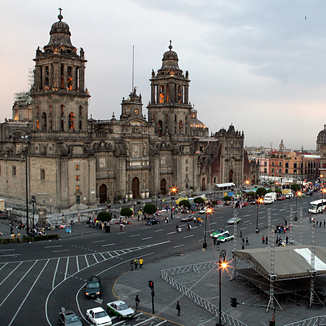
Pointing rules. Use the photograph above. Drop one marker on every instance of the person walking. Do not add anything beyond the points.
(132, 265)
(137, 300)
(266, 239)
(247, 241)
(263, 240)
(141, 262)
(178, 307)
(136, 263)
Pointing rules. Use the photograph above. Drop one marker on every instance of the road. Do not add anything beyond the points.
(37, 279)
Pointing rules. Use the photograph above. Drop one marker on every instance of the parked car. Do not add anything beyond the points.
(187, 218)
(309, 192)
(281, 197)
(68, 317)
(225, 236)
(202, 211)
(232, 219)
(93, 287)
(121, 309)
(152, 221)
(98, 317)
(216, 233)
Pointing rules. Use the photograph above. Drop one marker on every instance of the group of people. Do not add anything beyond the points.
(135, 262)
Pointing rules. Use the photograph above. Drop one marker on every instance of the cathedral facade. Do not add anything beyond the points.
(54, 152)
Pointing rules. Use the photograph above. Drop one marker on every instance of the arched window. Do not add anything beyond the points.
(161, 98)
(43, 121)
(62, 80)
(62, 110)
(160, 128)
(71, 121)
(180, 127)
(38, 124)
(80, 110)
(62, 125)
(80, 125)
(69, 83)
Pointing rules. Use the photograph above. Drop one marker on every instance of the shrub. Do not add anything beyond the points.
(184, 203)
(126, 211)
(150, 208)
(104, 216)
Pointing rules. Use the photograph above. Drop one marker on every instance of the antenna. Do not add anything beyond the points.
(133, 69)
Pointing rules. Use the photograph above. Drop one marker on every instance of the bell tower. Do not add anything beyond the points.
(169, 108)
(60, 100)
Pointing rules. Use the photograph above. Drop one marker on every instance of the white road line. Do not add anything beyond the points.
(60, 250)
(49, 247)
(212, 223)
(178, 246)
(159, 230)
(188, 236)
(14, 288)
(108, 244)
(3, 266)
(246, 215)
(55, 273)
(11, 273)
(147, 238)
(67, 265)
(95, 258)
(77, 263)
(162, 322)
(7, 249)
(11, 255)
(144, 321)
(97, 241)
(171, 233)
(102, 256)
(86, 260)
(26, 296)
(134, 235)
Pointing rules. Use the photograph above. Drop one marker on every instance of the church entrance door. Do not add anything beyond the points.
(135, 187)
(163, 187)
(103, 193)
(203, 186)
(230, 176)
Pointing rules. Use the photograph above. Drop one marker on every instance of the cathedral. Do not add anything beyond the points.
(53, 152)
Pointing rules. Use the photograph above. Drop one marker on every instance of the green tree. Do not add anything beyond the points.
(104, 216)
(126, 211)
(295, 187)
(278, 190)
(199, 200)
(226, 198)
(261, 192)
(150, 208)
(251, 194)
(185, 203)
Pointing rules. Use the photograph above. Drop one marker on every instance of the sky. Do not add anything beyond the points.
(259, 65)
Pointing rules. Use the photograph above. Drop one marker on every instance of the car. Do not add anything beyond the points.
(232, 219)
(98, 316)
(281, 198)
(93, 287)
(225, 236)
(202, 211)
(187, 218)
(121, 309)
(289, 195)
(68, 317)
(309, 192)
(216, 233)
(152, 221)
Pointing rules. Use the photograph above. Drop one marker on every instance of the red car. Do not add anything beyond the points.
(281, 198)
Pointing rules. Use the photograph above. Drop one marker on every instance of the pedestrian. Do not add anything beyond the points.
(247, 241)
(214, 241)
(277, 239)
(243, 240)
(287, 240)
(320, 224)
(178, 308)
(132, 265)
(188, 227)
(240, 233)
(141, 262)
(137, 300)
(243, 246)
(263, 240)
(136, 263)
(266, 240)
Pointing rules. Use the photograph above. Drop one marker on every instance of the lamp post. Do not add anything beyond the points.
(296, 205)
(221, 265)
(208, 211)
(173, 191)
(259, 201)
(26, 181)
(323, 191)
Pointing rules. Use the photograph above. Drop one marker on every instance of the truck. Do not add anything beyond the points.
(270, 198)
(288, 193)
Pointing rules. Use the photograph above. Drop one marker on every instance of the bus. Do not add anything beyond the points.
(317, 206)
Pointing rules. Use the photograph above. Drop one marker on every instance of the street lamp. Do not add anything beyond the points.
(26, 180)
(323, 191)
(296, 205)
(259, 201)
(173, 191)
(222, 264)
(208, 211)
(33, 202)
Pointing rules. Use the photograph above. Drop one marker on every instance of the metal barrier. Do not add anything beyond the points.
(214, 310)
(314, 321)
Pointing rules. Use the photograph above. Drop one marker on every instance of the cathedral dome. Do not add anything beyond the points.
(322, 134)
(170, 60)
(60, 34)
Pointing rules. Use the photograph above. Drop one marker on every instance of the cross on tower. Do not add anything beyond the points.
(60, 16)
(170, 46)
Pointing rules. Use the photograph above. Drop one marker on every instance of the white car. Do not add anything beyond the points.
(121, 309)
(232, 219)
(202, 211)
(98, 316)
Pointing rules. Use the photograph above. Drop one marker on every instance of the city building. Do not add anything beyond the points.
(53, 151)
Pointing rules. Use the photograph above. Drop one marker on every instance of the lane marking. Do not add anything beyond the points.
(134, 235)
(147, 238)
(108, 244)
(55, 273)
(188, 236)
(66, 271)
(159, 230)
(61, 250)
(97, 241)
(10, 273)
(171, 233)
(7, 249)
(178, 246)
(56, 246)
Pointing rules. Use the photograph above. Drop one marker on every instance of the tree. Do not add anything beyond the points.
(261, 192)
(150, 208)
(199, 200)
(184, 203)
(278, 190)
(251, 194)
(295, 187)
(126, 211)
(227, 198)
(104, 216)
